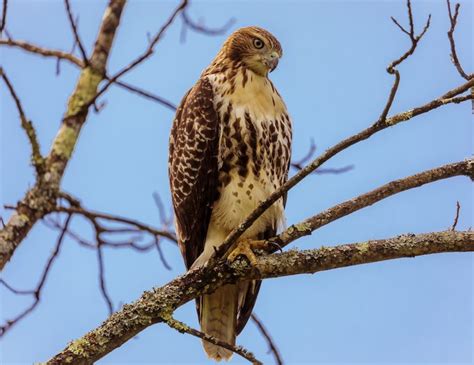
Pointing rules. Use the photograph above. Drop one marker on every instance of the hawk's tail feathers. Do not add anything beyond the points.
(218, 319)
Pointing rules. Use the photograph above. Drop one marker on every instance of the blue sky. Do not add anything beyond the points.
(333, 79)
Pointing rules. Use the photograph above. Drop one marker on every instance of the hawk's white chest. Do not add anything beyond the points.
(254, 150)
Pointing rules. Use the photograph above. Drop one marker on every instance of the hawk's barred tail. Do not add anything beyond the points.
(218, 319)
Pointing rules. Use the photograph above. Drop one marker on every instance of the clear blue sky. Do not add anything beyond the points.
(333, 80)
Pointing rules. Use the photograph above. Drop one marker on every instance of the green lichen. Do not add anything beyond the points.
(303, 227)
(65, 141)
(77, 347)
(402, 117)
(85, 91)
(363, 247)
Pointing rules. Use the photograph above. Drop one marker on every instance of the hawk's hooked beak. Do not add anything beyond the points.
(271, 60)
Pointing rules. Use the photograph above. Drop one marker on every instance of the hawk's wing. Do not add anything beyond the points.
(193, 168)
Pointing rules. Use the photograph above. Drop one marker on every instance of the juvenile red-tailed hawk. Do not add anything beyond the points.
(230, 148)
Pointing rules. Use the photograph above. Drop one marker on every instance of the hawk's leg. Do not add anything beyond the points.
(245, 247)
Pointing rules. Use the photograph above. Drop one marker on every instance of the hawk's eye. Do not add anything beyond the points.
(258, 43)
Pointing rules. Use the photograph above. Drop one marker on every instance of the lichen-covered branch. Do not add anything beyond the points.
(156, 305)
(463, 168)
(41, 198)
(27, 125)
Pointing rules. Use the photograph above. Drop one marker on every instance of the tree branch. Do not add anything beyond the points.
(184, 328)
(271, 344)
(41, 198)
(61, 55)
(37, 159)
(157, 305)
(4, 16)
(38, 290)
(148, 52)
(45, 52)
(317, 221)
(454, 56)
(76, 32)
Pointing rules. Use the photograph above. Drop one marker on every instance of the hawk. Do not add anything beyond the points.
(230, 148)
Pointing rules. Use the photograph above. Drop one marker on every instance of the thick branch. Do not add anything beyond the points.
(309, 225)
(157, 305)
(41, 198)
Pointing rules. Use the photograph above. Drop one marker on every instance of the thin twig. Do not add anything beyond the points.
(456, 217)
(38, 290)
(184, 328)
(103, 289)
(299, 164)
(36, 158)
(454, 56)
(76, 32)
(4, 16)
(146, 54)
(77, 208)
(156, 242)
(45, 52)
(391, 69)
(197, 27)
(62, 55)
(146, 94)
(272, 347)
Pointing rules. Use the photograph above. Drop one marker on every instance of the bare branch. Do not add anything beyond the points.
(271, 344)
(36, 292)
(184, 328)
(93, 216)
(37, 159)
(76, 32)
(201, 28)
(413, 38)
(103, 289)
(148, 52)
(31, 48)
(391, 69)
(153, 306)
(4, 16)
(317, 221)
(146, 94)
(456, 217)
(454, 57)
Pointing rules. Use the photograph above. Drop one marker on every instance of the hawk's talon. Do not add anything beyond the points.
(245, 248)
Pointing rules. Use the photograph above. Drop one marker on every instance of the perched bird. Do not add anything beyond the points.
(230, 148)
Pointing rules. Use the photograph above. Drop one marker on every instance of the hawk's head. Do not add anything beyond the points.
(255, 48)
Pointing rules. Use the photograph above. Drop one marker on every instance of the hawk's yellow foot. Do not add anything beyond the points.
(245, 247)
